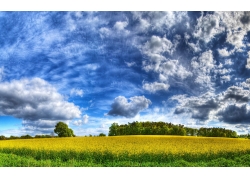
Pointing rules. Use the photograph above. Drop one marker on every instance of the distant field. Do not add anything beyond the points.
(132, 151)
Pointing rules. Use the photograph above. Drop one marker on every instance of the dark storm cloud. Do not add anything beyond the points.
(235, 114)
(121, 106)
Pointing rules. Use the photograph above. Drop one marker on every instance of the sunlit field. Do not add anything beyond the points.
(132, 151)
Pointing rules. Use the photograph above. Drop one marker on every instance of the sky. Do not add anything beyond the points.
(90, 69)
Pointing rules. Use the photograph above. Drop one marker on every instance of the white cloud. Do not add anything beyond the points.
(225, 78)
(92, 67)
(203, 66)
(129, 64)
(120, 25)
(76, 92)
(246, 84)
(159, 20)
(35, 99)
(155, 49)
(236, 25)
(104, 32)
(223, 52)
(84, 120)
(228, 62)
(248, 61)
(143, 25)
(121, 106)
(195, 47)
(157, 45)
(207, 27)
(155, 86)
(235, 38)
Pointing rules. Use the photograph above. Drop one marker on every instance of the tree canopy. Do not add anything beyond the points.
(164, 128)
(63, 130)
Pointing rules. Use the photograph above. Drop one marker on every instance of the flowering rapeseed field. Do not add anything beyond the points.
(131, 150)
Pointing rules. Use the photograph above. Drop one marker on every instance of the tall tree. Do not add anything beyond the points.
(63, 130)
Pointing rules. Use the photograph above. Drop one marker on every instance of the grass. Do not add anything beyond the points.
(126, 151)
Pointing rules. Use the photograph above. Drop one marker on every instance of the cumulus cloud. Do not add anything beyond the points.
(84, 120)
(234, 24)
(122, 107)
(158, 45)
(237, 94)
(76, 92)
(199, 107)
(246, 84)
(155, 86)
(223, 52)
(225, 78)
(159, 20)
(156, 49)
(120, 25)
(35, 99)
(230, 106)
(237, 26)
(234, 114)
(228, 62)
(119, 29)
(207, 27)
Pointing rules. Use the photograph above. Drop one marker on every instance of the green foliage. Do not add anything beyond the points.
(217, 132)
(63, 130)
(26, 137)
(2, 137)
(163, 128)
(102, 135)
(246, 136)
(43, 136)
(24, 157)
(13, 137)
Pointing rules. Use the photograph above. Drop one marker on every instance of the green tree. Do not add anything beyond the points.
(63, 130)
(26, 137)
(2, 137)
(102, 134)
(113, 129)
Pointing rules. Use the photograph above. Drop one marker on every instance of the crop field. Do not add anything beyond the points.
(126, 151)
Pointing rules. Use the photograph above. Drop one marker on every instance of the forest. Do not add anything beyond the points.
(164, 128)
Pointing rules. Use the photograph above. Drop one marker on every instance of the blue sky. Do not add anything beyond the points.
(90, 69)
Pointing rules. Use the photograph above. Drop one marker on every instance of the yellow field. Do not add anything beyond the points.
(134, 144)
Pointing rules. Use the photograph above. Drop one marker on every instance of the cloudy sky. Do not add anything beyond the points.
(90, 69)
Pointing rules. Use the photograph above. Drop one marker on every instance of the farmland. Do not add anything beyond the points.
(128, 151)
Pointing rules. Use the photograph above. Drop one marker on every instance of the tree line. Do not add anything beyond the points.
(61, 129)
(2, 137)
(164, 128)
